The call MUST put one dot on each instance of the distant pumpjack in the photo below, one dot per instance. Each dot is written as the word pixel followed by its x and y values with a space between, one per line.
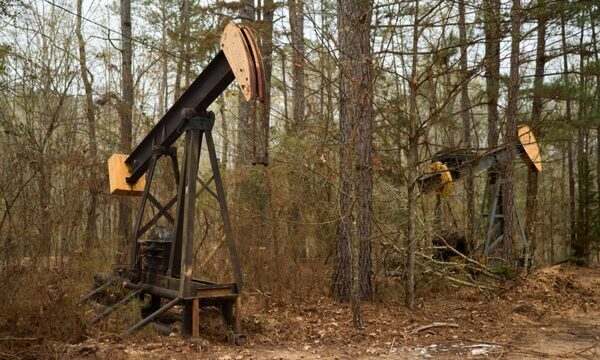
pixel 449 167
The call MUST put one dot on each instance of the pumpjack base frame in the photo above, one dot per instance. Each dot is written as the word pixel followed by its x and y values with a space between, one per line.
pixel 160 287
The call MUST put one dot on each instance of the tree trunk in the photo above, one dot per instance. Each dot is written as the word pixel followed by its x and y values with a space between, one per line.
pixel 413 158
pixel 186 14
pixel 536 120
pixel 246 109
pixel 568 119
pixel 163 91
pixel 583 178
pixel 361 109
pixel 183 69
pixel 91 232
pixel 341 277
pixel 493 26
pixel 597 58
pixel 267 53
pixel 510 136
pixel 465 104
pixel 284 92
pixel 352 268
pixel 126 109
pixel 296 10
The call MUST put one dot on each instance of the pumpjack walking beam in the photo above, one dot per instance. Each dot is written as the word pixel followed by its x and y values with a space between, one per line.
pixel 163 268
pixel 239 59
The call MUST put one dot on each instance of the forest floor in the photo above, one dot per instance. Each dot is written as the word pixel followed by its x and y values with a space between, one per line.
pixel 553 313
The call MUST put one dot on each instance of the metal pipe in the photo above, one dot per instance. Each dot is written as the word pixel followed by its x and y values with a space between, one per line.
pixel 109 310
pixel 150 289
pixel 153 316
pixel 97 291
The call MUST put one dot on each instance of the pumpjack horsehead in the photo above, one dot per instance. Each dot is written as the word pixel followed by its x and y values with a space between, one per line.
pixel 160 267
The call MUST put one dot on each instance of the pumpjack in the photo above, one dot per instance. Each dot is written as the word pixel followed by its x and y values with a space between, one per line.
pixel 449 167
pixel 160 267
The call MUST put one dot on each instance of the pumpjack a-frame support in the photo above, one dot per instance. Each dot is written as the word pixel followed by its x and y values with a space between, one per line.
pixel 174 281
pixel 494 226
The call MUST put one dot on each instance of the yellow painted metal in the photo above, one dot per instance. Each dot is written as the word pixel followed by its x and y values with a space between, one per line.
pixel 117 175
pixel 531 154
pixel 445 185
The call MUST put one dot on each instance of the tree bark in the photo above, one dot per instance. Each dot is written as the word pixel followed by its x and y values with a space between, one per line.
pixel 126 108
pixel 536 122
pixel 568 119
pixel 465 104
pixel 352 267
pixel 246 109
pixel 163 91
pixel 583 173
pixel 493 35
pixel 411 171
pixel 183 63
pixel 296 10
pixel 510 136
pixel 91 233
pixel 597 58
pixel 267 54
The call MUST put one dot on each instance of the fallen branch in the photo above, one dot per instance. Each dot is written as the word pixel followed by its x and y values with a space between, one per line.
pixel 19 339
pixel 466 283
pixel 433 325
pixel 482 268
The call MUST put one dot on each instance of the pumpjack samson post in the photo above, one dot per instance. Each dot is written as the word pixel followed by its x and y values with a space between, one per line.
pixel 161 266
pixel 446 168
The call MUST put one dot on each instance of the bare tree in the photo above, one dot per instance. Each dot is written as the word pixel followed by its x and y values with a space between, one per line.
pixel 413 159
pixel 126 107
pixel 568 119
pixel 465 108
pixel 536 118
pixel 296 10
pixel 90 112
pixel 352 269
pixel 510 133
pixel 493 35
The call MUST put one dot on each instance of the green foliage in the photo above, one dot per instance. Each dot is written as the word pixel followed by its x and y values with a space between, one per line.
pixel 590 119
pixel 560 90
pixel 591 69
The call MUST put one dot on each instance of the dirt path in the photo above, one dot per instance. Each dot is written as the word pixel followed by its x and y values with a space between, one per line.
pixel 554 313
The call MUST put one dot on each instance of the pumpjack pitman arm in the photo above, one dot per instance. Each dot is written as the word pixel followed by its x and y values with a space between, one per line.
pixel 238 59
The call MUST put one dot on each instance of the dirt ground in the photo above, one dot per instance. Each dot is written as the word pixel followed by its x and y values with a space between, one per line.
pixel 553 313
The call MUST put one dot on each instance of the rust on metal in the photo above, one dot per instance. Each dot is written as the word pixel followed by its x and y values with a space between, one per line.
pixel 258 62
pixel 239 56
